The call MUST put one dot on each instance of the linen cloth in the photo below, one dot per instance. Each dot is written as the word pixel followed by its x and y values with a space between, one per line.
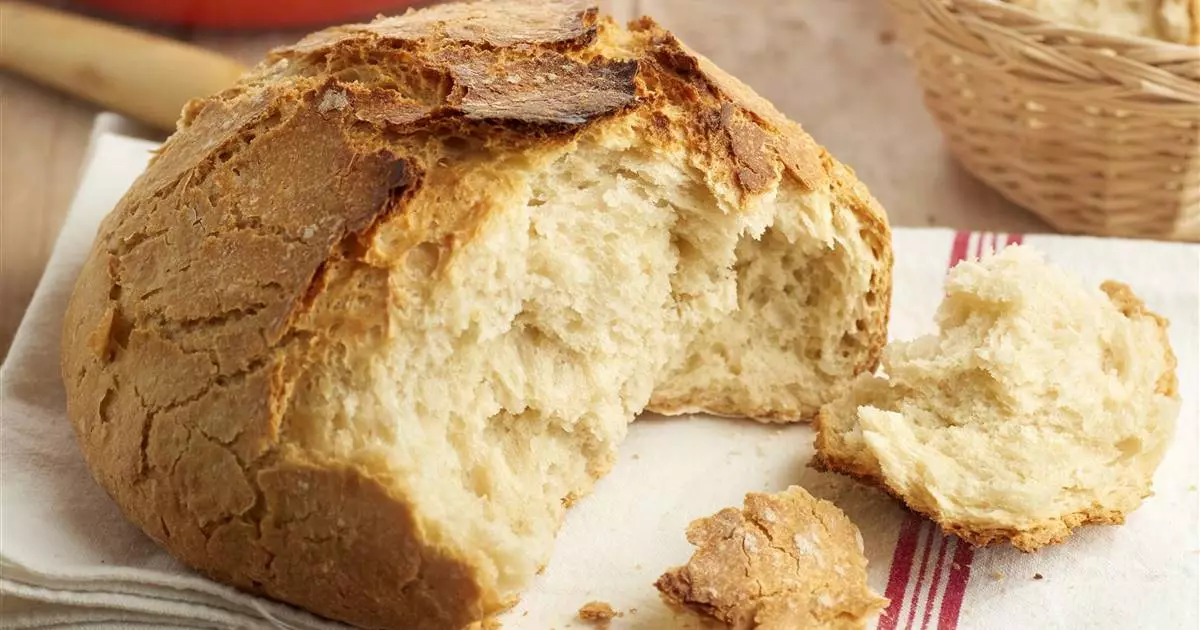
pixel 69 559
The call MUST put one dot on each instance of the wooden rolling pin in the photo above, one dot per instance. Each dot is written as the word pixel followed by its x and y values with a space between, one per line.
pixel 143 76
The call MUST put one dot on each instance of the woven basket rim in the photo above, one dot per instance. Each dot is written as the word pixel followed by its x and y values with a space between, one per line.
pixel 1030 87
pixel 1088 36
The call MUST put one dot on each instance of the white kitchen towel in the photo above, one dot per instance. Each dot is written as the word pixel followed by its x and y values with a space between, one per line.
pixel 68 558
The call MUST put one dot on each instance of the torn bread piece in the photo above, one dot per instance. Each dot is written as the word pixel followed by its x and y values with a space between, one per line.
pixel 1040 405
pixel 787 560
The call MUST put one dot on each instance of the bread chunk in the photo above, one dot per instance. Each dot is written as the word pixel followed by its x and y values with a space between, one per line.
pixel 787 560
pixel 1175 21
pixel 1038 406
pixel 598 613
pixel 374 317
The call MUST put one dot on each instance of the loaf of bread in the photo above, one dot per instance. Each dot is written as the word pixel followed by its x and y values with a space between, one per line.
pixel 1169 20
pixel 373 318
pixel 787 560
pixel 1039 406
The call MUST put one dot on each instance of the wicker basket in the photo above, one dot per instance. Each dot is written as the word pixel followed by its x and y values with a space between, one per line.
pixel 1097 134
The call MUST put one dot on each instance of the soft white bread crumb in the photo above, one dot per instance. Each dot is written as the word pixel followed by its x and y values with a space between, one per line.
pixel 1038 406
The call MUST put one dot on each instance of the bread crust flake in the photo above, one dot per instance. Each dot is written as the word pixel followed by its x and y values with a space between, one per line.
pixel 786 560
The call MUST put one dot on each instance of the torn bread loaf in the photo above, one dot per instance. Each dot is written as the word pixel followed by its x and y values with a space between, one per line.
pixel 787 560
pixel 373 318
pixel 1175 21
pixel 1040 405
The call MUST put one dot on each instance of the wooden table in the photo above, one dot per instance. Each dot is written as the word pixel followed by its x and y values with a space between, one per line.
pixel 833 66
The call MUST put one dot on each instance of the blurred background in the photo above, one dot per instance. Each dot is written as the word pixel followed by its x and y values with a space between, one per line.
pixel 836 66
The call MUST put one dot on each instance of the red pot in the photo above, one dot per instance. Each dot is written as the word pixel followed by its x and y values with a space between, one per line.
pixel 247 14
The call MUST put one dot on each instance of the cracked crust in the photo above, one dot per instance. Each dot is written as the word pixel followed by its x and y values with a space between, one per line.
pixel 239 269
pixel 787 560
pixel 833 454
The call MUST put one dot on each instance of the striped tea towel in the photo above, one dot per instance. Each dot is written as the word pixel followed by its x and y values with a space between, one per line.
pixel 68 559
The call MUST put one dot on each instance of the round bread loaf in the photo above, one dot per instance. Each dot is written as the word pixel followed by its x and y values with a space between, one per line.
pixel 373 318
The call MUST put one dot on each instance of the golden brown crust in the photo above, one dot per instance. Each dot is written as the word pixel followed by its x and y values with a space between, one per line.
pixel 831 457
pixel 240 265
pixel 191 305
pixel 498 24
pixel 786 560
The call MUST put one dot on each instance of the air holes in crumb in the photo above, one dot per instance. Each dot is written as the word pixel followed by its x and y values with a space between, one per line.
pixel 106 404
pixel 686 250
pixel 121 329
pixel 348 75
pixel 1130 446
pixel 224 156
pixel 457 144
pixel 422 260
pixel 481 481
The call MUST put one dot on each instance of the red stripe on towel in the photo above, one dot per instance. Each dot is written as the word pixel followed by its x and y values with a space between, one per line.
pixel 902 561
pixel 937 577
pixel 959 251
pixel 956 587
pixel 931 537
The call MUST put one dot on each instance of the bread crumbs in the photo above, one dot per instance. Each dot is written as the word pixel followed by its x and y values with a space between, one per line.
pixel 1038 576
pixel 996 575
pixel 599 613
